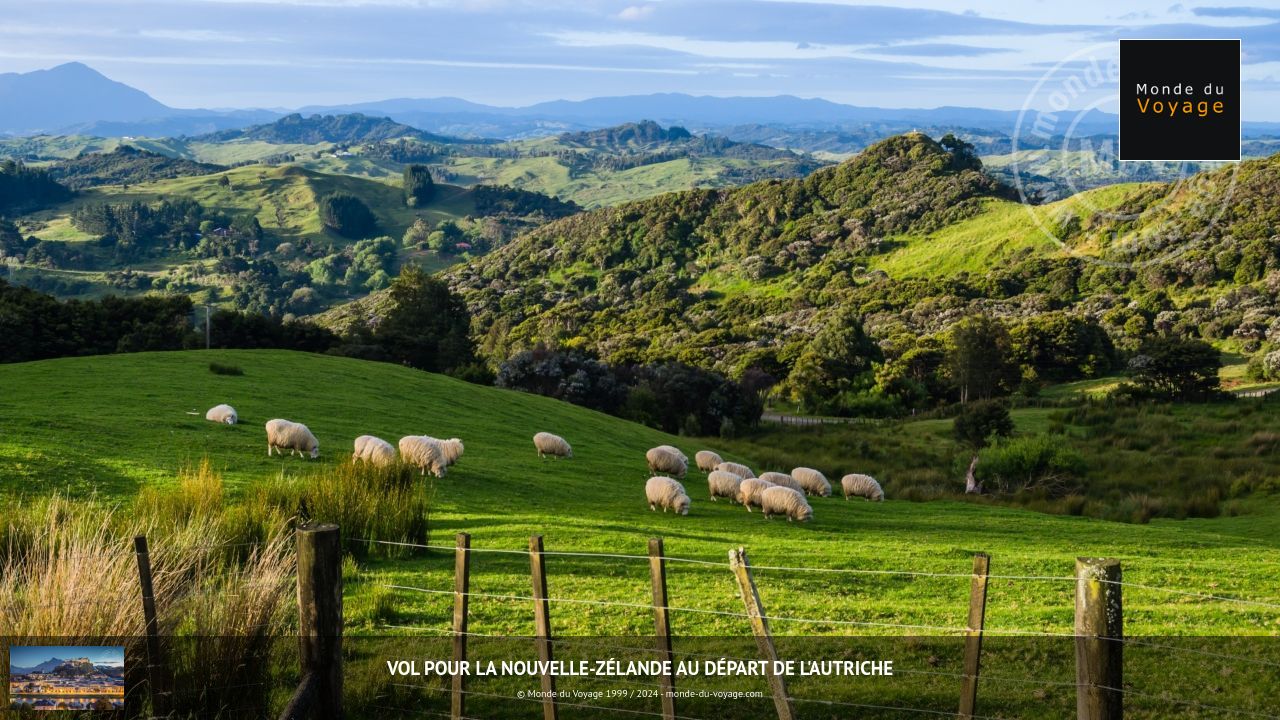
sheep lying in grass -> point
(222, 414)
(812, 481)
(738, 469)
(373, 450)
(452, 450)
(424, 453)
(863, 486)
(552, 445)
(663, 492)
(707, 460)
(295, 437)
(666, 459)
(785, 501)
(723, 485)
(749, 491)
(783, 479)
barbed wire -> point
(559, 553)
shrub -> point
(1033, 463)
(220, 369)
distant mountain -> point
(628, 135)
(75, 667)
(43, 667)
(126, 165)
(67, 95)
(348, 128)
(184, 123)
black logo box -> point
(1180, 65)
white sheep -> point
(666, 493)
(863, 486)
(813, 482)
(783, 479)
(785, 501)
(552, 445)
(222, 414)
(373, 450)
(707, 460)
(723, 484)
(677, 451)
(749, 491)
(452, 450)
(666, 459)
(295, 437)
(424, 453)
(738, 469)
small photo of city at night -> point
(66, 678)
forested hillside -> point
(780, 277)
(126, 165)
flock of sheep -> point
(775, 493)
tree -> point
(427, 326)
(839, 353)
(347, 215)
(974, 427)
(980, 358)
(1174, 368)
(418, 186)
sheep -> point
(813, 482)
(676, 451)
(749, 491)
(863, 486)
(783, 479)
(222, 414)
(452, 450)
(738, 469)
(373, 450)
(663, 459)
(707, 460)
(552, 445)
(424, 453)
(295, 437)
(723, 484)
(666, 493)
(785, 501)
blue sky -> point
(31, 656)
(909, 53)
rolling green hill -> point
(107, 426)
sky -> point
(30, 656)
(900, 53)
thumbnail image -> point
(66, 677)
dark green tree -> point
(347, 215)
(1174, 368)
(838, 355)
(427, 326)
(974, 427)
(418, 186)
(980, 359)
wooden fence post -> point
(155, 661)
(760, 627)
(320, 617)
(1099, 640)
(542, 626)
(461, 588)
(662, 626)
(973, 635)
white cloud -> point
(635, 12)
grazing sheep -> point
(677, 451)
(452, 450)
(373, 450)
(295, 437)
(738, 469)
(707, 460)
(552, 445)
(749, 492)
(813, 482)
(222, 414)
(424, 453)
(783, 479)
(723, 484)
(668, 494)
(785, 501)
(666, 459)
(863, 486)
